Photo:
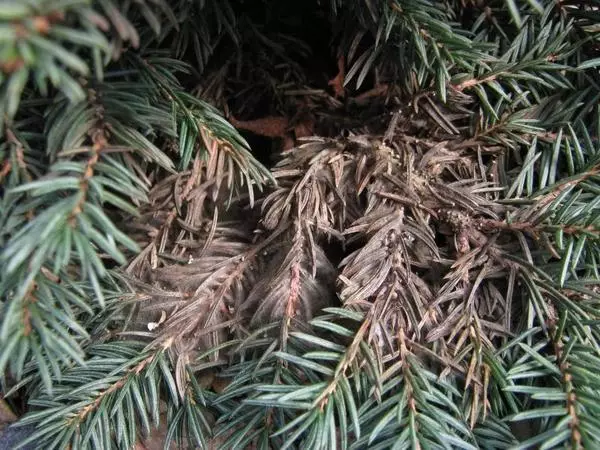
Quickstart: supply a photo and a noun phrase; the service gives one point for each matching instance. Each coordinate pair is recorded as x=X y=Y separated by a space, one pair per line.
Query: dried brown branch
x=429 y=259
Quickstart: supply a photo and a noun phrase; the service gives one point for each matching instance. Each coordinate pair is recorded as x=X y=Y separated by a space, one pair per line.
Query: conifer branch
x=423 y=273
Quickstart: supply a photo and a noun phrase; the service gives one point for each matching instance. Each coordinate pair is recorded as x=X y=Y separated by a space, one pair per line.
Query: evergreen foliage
x=417 y=269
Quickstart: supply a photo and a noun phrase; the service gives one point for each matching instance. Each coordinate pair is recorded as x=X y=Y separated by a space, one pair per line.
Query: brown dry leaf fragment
x=288 y=143
x=337 y=83
x=270 y=126
x=306 y=128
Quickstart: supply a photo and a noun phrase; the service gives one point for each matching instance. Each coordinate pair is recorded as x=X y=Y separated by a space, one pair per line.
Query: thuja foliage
x=417 y=269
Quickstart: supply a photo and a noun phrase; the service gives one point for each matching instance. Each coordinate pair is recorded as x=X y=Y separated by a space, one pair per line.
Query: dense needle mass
x=314 y=225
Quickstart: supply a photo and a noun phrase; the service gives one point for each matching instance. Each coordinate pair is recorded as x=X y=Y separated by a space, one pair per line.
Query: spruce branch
x=118 y=390
x=427 y=281
x=59 y=42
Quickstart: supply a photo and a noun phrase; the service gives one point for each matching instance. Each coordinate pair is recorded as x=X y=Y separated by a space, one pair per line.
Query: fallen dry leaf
x=305 y=128
x=337 y=83
x=271 y=126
